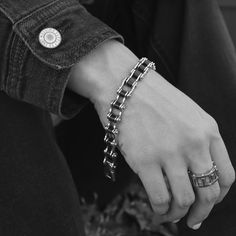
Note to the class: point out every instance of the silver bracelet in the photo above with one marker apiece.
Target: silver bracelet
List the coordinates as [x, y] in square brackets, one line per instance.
[115, 113]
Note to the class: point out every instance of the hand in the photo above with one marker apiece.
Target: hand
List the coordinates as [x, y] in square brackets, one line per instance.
[163, 134]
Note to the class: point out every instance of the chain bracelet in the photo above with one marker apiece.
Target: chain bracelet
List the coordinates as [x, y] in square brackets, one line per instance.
[115, 113]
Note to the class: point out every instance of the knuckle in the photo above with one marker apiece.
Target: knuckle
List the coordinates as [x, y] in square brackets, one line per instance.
[212, 129]
[167, 152]
[148, 152]
[161, 201]
[198, 141]
[161, 210]
[212, 123]
[186, 201]
[161, 204]
[228, 179]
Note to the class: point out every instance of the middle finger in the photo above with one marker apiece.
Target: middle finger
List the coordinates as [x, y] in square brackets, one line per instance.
[181, 190]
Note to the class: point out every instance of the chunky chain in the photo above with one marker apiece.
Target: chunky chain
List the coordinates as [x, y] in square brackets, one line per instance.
[115, 113]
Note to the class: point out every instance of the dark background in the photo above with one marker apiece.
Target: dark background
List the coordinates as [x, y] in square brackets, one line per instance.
[81, 140]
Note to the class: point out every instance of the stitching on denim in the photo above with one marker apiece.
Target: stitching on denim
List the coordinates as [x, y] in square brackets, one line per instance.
[13, 52]
[52, 103]
[45, 17]
[5, 12]
[45, 12]
[35, 12]
[16, 64]
[56, 63]
[4, 80]
[103, 35]
[17, 61]
[74, 48]
[21, 60]
[39, 23]
[49, 100]
[15, 20]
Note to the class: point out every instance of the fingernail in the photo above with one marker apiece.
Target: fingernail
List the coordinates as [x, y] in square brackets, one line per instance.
[197, 226]
[176, 221]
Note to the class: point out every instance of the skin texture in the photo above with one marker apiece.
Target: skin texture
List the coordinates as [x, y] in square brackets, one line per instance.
[163, 134]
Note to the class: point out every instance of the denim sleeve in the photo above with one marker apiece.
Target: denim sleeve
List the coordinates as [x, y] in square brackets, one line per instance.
[38, 75]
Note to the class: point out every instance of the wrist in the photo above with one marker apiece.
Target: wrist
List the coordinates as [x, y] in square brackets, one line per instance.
[99, 74]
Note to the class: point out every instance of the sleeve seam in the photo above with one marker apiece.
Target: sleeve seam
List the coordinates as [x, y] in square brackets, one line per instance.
[47, 11]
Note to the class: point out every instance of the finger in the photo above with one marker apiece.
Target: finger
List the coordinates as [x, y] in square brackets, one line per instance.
[182, 192]
[205, 196]
[155, 186]
[226, 171]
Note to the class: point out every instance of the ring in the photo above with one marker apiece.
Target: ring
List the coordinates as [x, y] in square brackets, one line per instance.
[205, 179]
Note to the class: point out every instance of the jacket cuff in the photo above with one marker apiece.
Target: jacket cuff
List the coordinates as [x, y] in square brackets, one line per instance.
[39, 75]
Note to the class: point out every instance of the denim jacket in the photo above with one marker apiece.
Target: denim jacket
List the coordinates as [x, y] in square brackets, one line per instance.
[38, 75]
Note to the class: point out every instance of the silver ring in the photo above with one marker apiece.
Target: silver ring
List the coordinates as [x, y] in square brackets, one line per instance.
[205, 179]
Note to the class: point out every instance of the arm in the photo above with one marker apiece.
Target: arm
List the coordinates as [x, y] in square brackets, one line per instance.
[163, 133]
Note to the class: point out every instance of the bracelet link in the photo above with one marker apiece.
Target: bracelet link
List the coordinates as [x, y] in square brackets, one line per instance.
[113, 118]
[123, 93]
[110, 137]
[118, 105]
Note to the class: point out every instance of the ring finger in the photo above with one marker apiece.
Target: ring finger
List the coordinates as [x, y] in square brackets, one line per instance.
[206, 197]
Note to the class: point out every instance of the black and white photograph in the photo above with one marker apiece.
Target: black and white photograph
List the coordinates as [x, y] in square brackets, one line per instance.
[117, 117]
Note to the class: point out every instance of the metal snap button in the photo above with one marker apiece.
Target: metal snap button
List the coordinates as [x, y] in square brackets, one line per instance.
[50, 38]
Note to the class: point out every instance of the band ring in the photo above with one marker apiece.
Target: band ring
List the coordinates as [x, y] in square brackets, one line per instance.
[205, 179]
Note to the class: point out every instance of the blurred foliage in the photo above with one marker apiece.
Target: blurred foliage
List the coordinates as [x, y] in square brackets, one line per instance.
[129, 214]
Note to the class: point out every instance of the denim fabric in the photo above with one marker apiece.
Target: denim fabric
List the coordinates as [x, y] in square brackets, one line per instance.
[39, 75]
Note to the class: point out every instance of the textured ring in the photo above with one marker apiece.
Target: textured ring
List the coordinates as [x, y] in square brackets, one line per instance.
[205, 179]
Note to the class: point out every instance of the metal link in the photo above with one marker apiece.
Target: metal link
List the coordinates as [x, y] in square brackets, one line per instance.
[123, 93]
[118, 105]
[114, 118]
[110, 151]
[109, 170]
[110, 137]
[136, 77]
[113, 142]
[142, 68]
[110, 163]
[111, 128]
